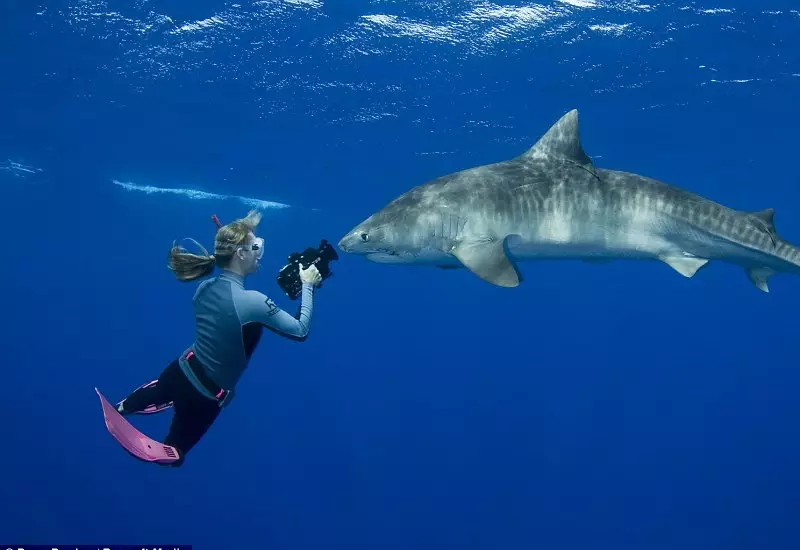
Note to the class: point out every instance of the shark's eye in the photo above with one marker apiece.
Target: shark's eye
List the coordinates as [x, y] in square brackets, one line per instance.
[364, 237]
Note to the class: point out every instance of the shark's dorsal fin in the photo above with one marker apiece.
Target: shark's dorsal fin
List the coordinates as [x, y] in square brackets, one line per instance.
[563, 141]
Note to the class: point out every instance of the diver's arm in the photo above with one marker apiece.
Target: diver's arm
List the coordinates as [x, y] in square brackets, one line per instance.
[256, 307]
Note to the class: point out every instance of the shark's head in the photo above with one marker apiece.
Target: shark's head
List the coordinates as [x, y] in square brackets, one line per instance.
[411, 229]
[379, 239]
[394, 234]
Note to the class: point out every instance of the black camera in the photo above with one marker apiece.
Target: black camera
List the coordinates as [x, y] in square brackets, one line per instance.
[289, 275]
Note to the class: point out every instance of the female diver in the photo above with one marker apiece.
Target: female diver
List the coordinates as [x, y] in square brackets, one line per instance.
[229, 320]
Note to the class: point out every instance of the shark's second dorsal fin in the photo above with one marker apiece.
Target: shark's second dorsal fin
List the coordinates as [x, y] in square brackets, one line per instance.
[768, 215]
[766, 220]
[562, 140]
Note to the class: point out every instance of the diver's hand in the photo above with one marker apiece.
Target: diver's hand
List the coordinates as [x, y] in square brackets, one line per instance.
[310, 275]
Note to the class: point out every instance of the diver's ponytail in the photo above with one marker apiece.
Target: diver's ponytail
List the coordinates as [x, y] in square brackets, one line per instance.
[187, 266]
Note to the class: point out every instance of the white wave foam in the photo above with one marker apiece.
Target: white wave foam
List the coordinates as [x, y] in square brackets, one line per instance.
[610, 28]
[299, 3]
[708, 11]
[630, 6]
[508, 20]
[305, 3]
[733, 81]
[200, 25]
[412, 28]
[580, 3]
[487, 22]
[715, 11]
[200, 195]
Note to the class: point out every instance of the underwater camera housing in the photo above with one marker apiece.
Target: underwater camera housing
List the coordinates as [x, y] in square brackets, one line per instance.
[289, 275]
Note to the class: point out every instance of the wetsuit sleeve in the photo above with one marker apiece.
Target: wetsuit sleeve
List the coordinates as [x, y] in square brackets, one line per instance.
[255, 307]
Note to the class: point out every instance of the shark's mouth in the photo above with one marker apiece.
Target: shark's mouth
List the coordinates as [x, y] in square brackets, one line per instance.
[390, 258]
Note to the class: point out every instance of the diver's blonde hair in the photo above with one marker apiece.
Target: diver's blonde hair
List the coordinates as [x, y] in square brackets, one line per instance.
[188, 267]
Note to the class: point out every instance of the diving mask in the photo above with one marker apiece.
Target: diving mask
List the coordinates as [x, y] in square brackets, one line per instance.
[257, 247]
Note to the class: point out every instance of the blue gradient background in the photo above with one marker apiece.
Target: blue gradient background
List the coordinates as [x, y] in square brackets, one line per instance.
[618, 406]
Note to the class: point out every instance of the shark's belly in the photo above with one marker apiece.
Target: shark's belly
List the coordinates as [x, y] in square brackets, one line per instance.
[561, 237]
[636, 235]
[540, 250]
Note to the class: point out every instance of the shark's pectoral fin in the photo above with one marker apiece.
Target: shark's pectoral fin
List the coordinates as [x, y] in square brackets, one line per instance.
[759, 276]
[488, 260]
[685, 265]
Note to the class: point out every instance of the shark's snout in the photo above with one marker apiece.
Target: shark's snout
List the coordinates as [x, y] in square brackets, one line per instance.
[348, 242]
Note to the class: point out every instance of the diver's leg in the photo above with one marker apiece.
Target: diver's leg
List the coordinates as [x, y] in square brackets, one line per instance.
[194, 414]
[151, 397]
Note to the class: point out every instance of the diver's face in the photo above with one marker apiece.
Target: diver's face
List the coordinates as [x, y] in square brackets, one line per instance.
[250, 254]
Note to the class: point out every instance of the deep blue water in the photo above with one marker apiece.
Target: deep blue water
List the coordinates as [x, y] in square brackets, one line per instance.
[615, 406]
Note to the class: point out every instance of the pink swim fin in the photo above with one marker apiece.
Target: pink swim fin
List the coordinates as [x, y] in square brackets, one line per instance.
[132, 440]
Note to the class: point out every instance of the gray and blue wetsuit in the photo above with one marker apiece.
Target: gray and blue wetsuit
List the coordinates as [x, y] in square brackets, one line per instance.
[229, 323]
[229, 320]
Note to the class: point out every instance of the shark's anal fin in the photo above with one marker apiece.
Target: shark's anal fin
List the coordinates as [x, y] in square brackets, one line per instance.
[759, 276]
[487, 259]
[685, 265]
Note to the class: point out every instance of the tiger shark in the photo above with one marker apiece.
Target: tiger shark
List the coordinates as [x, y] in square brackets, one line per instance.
[552, 202]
